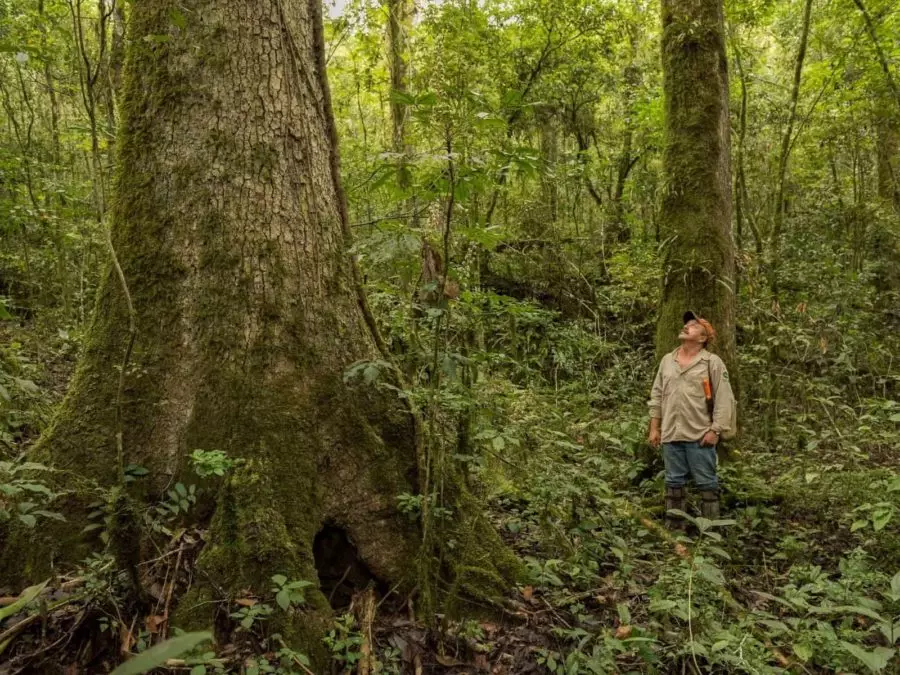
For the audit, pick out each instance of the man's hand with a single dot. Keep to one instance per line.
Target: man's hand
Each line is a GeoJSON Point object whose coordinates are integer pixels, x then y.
{"type": "Point", "coordinates": [654, 437]}
{"type": "Point", "coordinates": [709, 438]}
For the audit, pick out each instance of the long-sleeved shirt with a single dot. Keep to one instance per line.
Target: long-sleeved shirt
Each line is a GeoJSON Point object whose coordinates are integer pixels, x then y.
{"type": "Point", "coordinates": [678, 399]}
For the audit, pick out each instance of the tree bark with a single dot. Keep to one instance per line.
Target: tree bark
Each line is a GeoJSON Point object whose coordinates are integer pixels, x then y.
{"type": "Point", "coordinates": [695, 223]}
{"type": "Point", "coordinates": [232, 233]}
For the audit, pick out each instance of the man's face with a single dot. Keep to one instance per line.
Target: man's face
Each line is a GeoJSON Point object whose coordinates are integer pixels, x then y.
{"type": "Point", "coordinates": [693, 331]}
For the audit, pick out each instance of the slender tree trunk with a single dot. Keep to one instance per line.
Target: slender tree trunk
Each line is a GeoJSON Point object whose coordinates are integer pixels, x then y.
{"type": "Point", "coordinates": [581, 139]}
{"type": "Point", "coordinates": [882, 59]}
{"type": "Point", "coordinates": [784, 156]}
{"type": "Point", "coordinates": [741, 200]}
{"type": "Point", "coordinates": [399, 23]}
{"type": "Point", "coordinates": [699, 267]}
{"type": "Point", "coordinates": [626, 161]}
{"type": "Point", "coordinates": [887, 146]}
{"type": "Point", "coordinates": [117, 53]}
{"type": "Point", "coordinates": [232, 234]}
{"type": "Point", "coordinates": [549, 146]}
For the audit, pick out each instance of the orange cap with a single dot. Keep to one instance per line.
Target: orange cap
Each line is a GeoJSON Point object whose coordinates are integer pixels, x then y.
{"type": "Point", "coordinates": [707, 326]}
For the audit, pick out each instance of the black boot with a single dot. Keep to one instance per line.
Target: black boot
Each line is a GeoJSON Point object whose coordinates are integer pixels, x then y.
{"type": "Point", "coordinates": [709, 508]}
{"type": "Point", "coordinates": [675, 499]}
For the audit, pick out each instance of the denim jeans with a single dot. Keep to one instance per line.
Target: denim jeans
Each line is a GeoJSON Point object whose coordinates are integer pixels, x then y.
{"type": "Point", "coordinates": [685, 458]}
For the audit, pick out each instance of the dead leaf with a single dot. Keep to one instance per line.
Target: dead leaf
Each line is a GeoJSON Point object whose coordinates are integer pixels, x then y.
{"type": "Point", "coordinates": [527, 593]}
{"type": "Point", "coordinates": [246, 602]}
{"type": "Point", "coordinates": [154, 621]}
{"type": "Point", "coordinates": [681, 550]}
{"type": "Point", "coordinates": [481, 662]}
{"type": "Point", "coordinates": [447, 661]}
{"type": "Point", "coordinates": [623, 632]}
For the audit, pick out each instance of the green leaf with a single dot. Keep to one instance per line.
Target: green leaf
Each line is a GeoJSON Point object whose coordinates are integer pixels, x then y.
{"type": "Point", "coordinates": [711, 573]}
{"type": "Point", "coordinates": [50, 514]}
{"type": "Point", "coordinates": [777, 626]}
{"type": "Point", "coordinates": [27, 386]}
{"type": "Point", "coordinates": [895, 586]}
{"type": "Point", "coordinates": [858, 525]}
{"type": "Point", "coordinates": [198, 670]}
{"type": "Point", "coordinates": [37, 488]}
{"type": "Point", "coordinates": [370, 373]}
{"type": "Point", "coordinates": [802, 651]}
{"type": "Point", "coordinates": [875, 660]}
{"type": "Point", "coordinates": [427, 99]}
{"type": "Point", "coordinates": [279, 579]}
{"type": "Point", "coordinates": [25, 598]}
{"type": "Point", "coordinates": [401, 97]}
{"type": "Point", "coordinates": [177, 18]}
{"type": "Point", "coordinates": [881, 517]}
{"type": "Point", "coordinates": [848, 610]}
{"type": "Point", "coordinates": [28, 519]}
{"type": "Point", "coordinates": [283, 598]}
{"type": "Point", "coordinates": [159, 654]}
{"type": "Point", "coordinates": [715, 550]}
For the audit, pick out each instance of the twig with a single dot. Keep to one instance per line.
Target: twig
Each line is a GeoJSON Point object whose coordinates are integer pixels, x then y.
{"type": "Point", "coordinates": [172, 586]}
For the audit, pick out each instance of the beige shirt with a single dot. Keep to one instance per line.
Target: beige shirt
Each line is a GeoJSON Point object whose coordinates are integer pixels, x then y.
{"type": "Point", "coordinates": [678, 400]}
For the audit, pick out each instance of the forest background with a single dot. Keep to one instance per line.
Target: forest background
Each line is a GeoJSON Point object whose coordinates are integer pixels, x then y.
{"type": "Point", "coordinates": [503, 164]}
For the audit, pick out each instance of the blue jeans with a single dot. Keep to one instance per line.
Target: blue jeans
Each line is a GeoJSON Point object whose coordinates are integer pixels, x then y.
{"type": "Point", "coordinates": [685, 458]}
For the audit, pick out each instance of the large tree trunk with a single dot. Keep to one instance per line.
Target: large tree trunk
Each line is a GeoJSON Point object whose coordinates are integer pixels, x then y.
{"type": "Point", "coordinates": [695, 225]}
{"type": "Point", "coordinates": [232, 235]}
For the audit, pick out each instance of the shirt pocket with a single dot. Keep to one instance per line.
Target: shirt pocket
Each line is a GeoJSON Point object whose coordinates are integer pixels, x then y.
{"type": "Point", "coordinates": [693, 384]}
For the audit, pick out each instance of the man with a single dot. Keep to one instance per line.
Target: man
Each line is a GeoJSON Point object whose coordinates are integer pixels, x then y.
{"type": "Point", "coordinates": [691, 405]}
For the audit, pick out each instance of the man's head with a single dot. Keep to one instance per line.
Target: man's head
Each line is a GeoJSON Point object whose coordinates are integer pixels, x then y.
{"type": "Point", "coordinates": [696, 329]}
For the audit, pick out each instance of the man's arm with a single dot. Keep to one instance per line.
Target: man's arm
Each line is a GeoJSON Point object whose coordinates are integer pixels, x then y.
{"type": "Point", "coordinates": [654, 434]}
{"type": "Point", "coordinates": [724, 397]}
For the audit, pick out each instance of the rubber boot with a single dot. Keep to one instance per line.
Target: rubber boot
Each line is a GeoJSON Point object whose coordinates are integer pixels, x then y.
{"type": "Point", "coordinates": [709, 507]}
{"type": "Point", "coordinates": [675, 499]}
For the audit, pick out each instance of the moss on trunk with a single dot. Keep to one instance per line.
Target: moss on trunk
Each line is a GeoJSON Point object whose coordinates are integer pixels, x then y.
{"type": "Point", "coordinates": [695, 222]}
{"type": "Point", "coordinates": [231, 232]}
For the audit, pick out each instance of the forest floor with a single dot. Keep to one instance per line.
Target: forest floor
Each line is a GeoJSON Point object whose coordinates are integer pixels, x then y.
{"type": "Point", "coordinates": [801, 574]}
